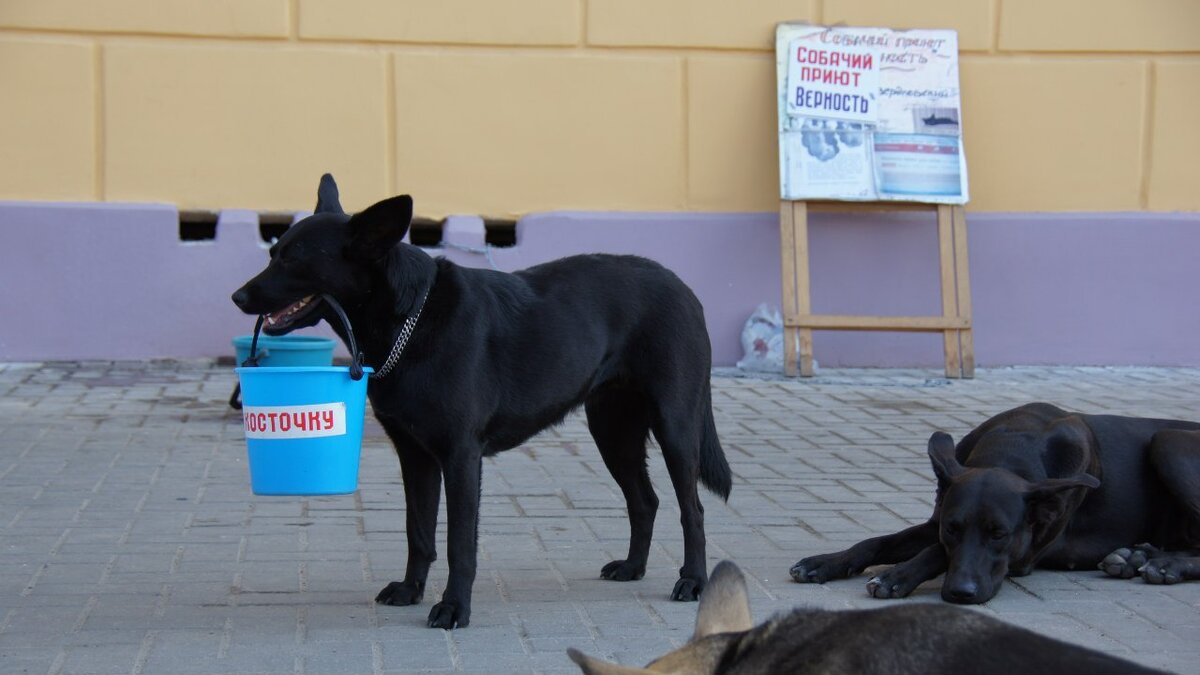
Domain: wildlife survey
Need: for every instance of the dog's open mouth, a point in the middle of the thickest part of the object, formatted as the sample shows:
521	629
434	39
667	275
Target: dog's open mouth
278	323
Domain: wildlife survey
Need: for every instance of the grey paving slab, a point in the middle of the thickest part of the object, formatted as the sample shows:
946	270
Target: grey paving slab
130	541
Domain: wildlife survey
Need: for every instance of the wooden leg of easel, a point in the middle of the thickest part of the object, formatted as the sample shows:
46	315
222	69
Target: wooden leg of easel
793	239
787	249
803	295
789	351
806	352
963	284
946	256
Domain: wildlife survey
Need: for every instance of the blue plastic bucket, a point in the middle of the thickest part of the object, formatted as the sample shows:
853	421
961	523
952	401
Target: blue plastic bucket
303	428
303	424
287	350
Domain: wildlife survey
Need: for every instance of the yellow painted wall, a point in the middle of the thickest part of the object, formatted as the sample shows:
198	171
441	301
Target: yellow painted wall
505	107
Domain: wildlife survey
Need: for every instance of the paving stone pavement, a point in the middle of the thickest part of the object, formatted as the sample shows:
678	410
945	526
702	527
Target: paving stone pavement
131	542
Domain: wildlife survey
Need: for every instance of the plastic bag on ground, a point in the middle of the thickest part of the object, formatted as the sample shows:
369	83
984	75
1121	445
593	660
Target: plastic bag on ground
762	341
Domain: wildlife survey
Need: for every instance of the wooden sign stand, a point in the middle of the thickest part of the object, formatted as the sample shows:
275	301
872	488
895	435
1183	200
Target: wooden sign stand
799	322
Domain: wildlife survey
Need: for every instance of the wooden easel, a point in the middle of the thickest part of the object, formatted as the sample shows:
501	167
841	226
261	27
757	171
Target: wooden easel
799	322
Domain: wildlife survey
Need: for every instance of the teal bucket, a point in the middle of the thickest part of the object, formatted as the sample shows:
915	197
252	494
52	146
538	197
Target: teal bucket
286	350
303	424
277	351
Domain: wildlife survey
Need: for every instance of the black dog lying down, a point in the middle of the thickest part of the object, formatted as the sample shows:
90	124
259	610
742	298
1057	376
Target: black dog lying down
912	639
490	359
1039	486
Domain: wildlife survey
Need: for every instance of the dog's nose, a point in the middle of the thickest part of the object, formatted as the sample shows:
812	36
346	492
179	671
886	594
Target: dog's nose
240	297
962	592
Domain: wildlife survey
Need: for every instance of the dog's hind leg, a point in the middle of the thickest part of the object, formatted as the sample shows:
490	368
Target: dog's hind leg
1174	455
679	434
422	492
1170	567
619	424
1154	565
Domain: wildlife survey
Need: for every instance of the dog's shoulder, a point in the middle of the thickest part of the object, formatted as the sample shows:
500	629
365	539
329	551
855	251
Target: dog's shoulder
1028	417
482	286
593	264
811	639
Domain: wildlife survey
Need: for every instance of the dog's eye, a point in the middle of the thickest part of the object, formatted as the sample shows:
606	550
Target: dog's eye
283	257
952	529
998	534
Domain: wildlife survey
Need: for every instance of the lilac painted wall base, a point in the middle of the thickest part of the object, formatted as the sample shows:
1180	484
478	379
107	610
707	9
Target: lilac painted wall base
113	281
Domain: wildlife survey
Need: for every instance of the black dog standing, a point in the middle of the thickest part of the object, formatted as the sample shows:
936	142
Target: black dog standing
472	362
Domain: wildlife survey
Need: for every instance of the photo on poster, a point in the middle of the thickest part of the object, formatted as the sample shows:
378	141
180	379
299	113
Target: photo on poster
909	165
933	120
836	163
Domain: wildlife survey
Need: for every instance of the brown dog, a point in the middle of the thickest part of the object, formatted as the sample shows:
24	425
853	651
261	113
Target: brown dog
916	639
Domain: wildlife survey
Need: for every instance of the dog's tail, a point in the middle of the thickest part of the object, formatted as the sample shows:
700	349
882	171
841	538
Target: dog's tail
714	470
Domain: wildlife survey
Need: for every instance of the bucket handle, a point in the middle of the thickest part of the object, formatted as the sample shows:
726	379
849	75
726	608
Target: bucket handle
356	357
252	360
235	399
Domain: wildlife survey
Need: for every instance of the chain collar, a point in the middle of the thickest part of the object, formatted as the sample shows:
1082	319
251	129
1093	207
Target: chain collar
401	341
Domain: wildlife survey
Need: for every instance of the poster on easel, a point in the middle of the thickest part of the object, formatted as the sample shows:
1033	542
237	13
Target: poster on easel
869	114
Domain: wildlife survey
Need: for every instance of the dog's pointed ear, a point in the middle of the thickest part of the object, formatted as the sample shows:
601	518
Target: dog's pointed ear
724	604
1043	508
327	196
941	455
380	227
591	666
1052	486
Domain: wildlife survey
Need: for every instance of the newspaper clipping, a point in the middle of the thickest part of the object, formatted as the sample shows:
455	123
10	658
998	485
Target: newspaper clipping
869	114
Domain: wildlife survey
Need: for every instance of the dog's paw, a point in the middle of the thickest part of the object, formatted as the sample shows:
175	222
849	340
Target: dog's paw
1169	570
1153	565
687	590
622	570
1120	564
821	568
1126	563
401	593
886	587
449	615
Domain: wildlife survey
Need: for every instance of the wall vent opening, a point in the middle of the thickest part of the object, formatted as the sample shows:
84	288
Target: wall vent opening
271	226
425	232
197	225
500	232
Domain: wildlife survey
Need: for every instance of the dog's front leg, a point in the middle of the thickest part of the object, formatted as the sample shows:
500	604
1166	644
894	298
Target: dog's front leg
462	471
902	578
422	492
891	548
